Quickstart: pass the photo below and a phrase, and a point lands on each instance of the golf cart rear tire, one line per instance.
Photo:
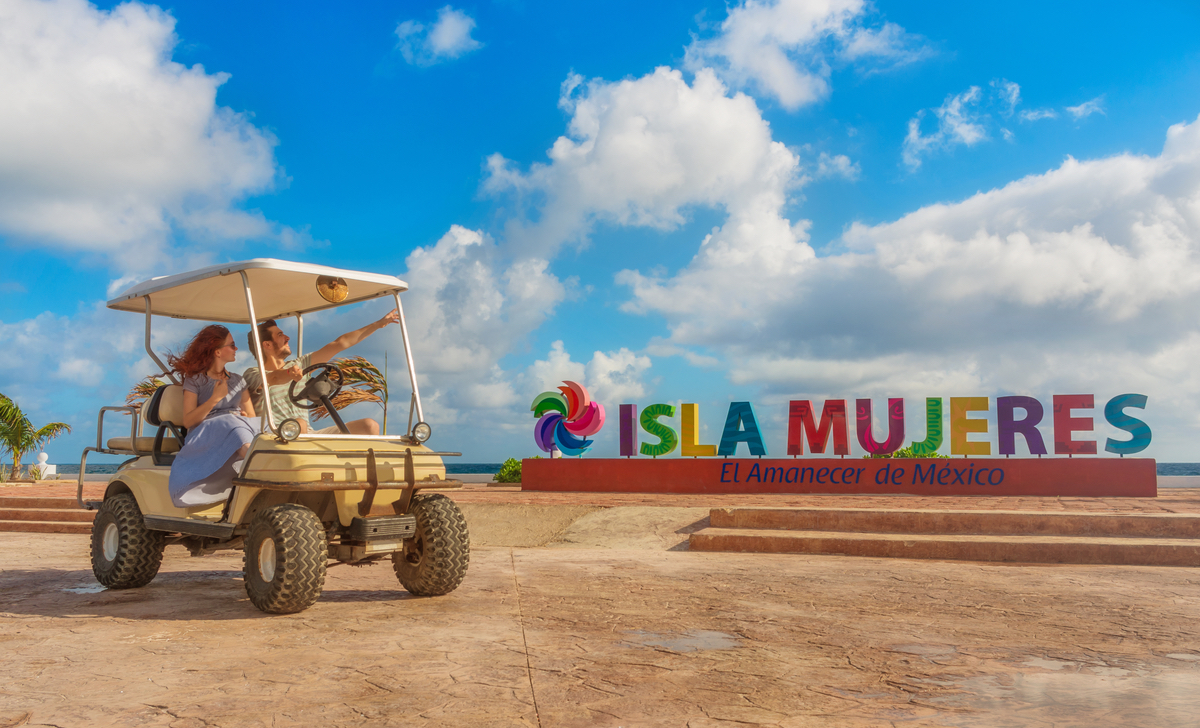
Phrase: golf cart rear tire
(300, 551)
(435, 560)
(125, 554)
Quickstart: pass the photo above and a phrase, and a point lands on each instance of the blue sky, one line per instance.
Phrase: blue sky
(898, 199)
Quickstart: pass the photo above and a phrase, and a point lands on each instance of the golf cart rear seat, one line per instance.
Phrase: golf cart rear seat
(164, 410)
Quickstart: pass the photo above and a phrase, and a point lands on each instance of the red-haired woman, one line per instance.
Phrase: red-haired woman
(217, 412)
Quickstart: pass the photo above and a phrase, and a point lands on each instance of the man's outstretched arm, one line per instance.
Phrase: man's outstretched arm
(345, 341)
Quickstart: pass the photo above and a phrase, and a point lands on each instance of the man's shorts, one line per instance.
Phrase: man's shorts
(326, 431)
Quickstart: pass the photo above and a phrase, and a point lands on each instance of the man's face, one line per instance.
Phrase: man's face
(280, 341)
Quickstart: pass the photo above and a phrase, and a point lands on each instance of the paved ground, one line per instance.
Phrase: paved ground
(631, 634)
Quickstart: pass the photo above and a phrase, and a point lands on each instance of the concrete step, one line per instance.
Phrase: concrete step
(76, 515)
(912, 521)
(957, 547)
(55, 502)
(44, 527)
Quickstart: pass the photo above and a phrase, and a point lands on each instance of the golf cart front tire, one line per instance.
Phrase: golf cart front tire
(125, 554)
(435, 560)
(285, 557)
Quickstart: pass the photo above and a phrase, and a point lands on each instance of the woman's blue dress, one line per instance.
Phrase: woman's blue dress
(203, 471)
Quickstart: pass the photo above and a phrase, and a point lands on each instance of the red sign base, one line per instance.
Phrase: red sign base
(1101, 477)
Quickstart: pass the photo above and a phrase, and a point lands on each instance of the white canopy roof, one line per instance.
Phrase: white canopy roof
(280, 288)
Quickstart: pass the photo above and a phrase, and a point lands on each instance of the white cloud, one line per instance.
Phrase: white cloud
(1087, 108)
(958, 122)
(784, 47)
(469, 307)
(110, 146)
(610, 377)
(1079, 279)
(448, 38)
(1009, 93)
(643, 151)
(1038, 114)
(837, 165)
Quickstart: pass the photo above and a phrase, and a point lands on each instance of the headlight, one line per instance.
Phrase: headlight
(421, 432)
(289, 429)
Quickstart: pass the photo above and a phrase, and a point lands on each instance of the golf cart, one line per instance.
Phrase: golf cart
(300, 499)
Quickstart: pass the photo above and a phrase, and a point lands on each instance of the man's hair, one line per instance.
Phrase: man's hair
(264, 335)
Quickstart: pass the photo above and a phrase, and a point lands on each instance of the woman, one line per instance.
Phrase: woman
(218, 415)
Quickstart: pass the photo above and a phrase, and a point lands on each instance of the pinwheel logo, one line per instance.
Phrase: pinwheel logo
(565, 419)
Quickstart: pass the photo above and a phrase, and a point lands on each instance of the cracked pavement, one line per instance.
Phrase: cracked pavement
(607, 637)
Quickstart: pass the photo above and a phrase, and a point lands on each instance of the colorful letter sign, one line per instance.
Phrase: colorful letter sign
(800, 425)
(961, 426)
(1008, 428)
(690, 447)
(741, 414)
(1115, 414)
(895, 427)
(1015, 415)
(933, 428)
(666, 436)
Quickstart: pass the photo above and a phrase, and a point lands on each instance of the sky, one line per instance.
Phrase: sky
(681, 201)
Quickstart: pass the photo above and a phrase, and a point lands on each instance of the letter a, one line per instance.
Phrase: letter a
(741, 413)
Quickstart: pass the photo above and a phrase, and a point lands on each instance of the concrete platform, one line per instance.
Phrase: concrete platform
(571, 637)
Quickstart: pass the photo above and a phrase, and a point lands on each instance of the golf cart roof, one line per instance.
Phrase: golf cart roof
(280, 288)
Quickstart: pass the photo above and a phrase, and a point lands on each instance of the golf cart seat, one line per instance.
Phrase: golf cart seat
(164, 410)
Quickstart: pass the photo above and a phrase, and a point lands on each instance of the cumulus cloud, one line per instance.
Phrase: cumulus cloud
(1087, 108)
(110, 146)
(641, 152)
(1079, 279)
(610, 377)
(449, 37)
(785, 47)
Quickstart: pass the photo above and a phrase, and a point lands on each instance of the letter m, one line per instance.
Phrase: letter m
(801, 425)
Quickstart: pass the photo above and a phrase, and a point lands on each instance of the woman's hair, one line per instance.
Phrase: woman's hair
(198, 356)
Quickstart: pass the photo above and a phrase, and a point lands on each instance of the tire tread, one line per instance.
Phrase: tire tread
(447, 548)
(301, 554)
(140, 554)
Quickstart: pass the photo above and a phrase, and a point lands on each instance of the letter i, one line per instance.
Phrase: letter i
(629, 436)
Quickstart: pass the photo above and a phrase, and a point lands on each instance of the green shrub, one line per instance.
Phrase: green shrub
(510, 471)
(906, 452)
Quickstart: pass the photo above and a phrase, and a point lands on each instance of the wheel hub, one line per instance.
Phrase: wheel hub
(266, 560)
(111, 541)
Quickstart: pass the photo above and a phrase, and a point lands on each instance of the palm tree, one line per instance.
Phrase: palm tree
(18, 435)
(144, 389)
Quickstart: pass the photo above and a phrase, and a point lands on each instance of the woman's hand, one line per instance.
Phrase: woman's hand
(220, 388)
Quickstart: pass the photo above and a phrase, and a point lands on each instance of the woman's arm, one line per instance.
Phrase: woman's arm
(247, 404)
(194, 412)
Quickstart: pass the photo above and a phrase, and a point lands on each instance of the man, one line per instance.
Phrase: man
(281, 372)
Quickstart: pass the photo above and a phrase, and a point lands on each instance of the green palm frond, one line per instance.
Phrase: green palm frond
(18, 435)
(143, 390)
(362, 382)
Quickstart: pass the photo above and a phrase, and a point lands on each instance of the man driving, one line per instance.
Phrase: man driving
(281, 372)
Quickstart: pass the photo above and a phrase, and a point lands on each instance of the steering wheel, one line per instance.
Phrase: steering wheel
(317, 387)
